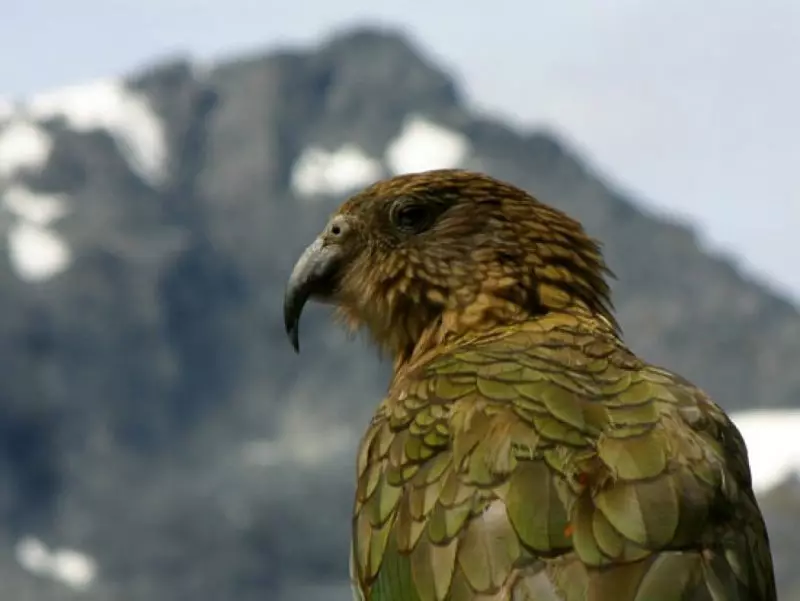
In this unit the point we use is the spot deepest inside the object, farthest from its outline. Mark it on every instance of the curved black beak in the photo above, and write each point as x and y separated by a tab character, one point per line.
313	276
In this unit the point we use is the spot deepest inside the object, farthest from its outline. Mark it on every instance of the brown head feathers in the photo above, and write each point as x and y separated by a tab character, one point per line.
424	257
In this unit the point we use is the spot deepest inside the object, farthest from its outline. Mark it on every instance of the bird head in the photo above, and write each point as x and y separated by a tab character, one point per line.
421	257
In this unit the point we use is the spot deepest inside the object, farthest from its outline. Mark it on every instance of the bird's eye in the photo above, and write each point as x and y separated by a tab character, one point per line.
411	218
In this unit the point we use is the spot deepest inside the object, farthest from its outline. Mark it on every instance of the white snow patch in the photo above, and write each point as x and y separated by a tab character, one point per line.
74	568
318	171
308	450
71	567
423	145
110	105
771	438
38	208
33	555
23	145
7	109
305	441
36	252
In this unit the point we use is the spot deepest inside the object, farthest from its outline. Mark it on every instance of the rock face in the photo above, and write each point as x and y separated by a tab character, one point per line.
154	418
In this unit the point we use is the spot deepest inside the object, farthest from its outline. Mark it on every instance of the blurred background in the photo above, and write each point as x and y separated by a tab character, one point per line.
163	162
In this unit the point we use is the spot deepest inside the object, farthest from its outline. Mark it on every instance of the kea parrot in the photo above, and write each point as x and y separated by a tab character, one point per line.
522	451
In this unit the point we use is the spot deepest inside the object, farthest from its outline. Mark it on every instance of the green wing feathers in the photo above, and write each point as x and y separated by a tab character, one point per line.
549	463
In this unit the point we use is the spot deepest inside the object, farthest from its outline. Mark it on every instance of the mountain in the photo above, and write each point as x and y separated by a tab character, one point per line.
158	438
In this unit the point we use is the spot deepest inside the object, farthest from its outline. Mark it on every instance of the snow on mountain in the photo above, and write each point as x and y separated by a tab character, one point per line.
36	251
304	440
422	145
110	105
7	109
23	145
318	171
771	445
71	567
38	208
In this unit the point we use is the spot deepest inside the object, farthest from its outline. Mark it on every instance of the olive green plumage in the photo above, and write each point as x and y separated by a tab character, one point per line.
542	456
522	453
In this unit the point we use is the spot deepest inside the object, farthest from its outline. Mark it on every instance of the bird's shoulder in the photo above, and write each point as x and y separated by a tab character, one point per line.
561	382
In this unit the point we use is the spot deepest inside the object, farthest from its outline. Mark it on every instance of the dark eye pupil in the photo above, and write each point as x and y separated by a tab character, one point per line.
411	218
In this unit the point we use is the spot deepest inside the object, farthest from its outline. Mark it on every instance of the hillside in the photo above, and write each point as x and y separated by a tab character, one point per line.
154	417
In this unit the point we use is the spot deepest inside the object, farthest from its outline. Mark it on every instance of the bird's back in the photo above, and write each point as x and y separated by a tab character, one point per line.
544	461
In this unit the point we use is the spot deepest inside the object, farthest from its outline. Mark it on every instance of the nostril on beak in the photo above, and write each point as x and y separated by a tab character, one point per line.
338	227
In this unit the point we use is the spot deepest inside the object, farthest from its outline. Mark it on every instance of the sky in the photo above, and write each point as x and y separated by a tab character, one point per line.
691	107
